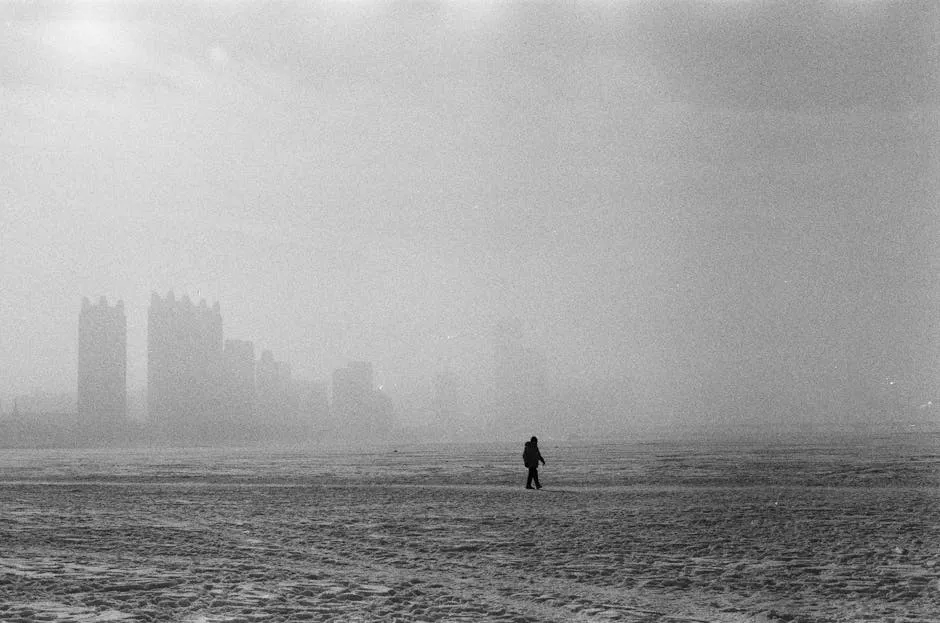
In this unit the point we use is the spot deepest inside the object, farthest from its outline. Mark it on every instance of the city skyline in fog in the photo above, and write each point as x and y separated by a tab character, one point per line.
714	211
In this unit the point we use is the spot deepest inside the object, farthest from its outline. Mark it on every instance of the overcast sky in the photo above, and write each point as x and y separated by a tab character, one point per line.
726	206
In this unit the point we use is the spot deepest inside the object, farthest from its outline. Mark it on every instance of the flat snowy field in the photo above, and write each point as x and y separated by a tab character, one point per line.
824	531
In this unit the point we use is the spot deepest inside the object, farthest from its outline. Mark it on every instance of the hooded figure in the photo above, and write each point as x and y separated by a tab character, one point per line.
531	457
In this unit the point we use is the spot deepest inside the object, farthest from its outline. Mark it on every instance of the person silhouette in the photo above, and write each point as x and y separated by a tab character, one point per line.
531	457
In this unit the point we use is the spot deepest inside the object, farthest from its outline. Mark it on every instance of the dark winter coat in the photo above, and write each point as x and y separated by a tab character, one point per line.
531	455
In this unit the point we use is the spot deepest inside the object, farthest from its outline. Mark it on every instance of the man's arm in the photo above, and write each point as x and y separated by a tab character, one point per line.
541	459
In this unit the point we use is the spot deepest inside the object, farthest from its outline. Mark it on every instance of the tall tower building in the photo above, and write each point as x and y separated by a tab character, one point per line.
102	363
184	365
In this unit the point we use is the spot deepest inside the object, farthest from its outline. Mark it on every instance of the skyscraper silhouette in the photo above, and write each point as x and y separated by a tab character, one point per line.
184	367
102	364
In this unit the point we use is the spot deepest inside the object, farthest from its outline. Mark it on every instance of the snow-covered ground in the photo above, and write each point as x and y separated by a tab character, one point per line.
824	531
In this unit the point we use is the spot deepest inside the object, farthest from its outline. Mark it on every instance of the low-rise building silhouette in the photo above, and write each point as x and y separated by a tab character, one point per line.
359	410
238	396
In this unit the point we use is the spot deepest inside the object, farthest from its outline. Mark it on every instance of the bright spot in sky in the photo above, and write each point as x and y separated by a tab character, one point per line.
218	55
89	40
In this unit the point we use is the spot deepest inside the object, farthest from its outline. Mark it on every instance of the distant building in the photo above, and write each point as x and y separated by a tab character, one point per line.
278	395
184	365
315	404
289	392
238	382
41	402
102	363
358	409
266	375
352	387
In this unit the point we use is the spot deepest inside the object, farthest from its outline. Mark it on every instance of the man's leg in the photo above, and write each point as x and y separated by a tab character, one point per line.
535	476
528	480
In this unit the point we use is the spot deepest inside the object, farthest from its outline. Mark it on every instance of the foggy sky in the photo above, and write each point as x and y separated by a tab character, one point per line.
727	208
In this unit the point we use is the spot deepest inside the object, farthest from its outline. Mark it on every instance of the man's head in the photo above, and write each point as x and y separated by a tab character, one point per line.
534	441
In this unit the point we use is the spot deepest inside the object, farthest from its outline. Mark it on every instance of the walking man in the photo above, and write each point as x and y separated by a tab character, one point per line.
531	457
